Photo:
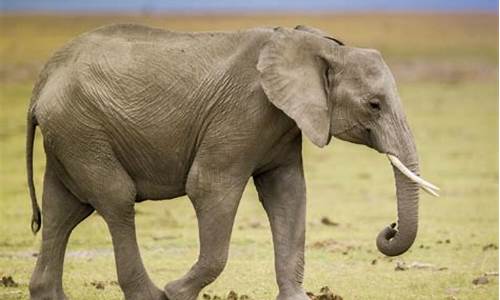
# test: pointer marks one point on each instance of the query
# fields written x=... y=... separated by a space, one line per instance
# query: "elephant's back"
x=131 y=58
x=144 y=74
x=165 y=42
x=146 y=91
x=131 y=31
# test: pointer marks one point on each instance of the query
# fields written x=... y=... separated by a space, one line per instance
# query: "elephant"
x=130 y=113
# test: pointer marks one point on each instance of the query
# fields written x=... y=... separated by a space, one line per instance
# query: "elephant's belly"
x=152 y=191
x=157 y=182
x=158 y=171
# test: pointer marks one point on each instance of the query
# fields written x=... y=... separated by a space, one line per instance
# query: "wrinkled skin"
x=130 y=113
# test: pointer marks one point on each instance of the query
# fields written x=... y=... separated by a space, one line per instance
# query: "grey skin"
x=131 y=113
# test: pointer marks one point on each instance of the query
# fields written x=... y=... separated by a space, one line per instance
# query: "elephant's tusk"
x=430 y=191
x=426 y=186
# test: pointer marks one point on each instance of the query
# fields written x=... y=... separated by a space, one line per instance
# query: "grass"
x=455 y=123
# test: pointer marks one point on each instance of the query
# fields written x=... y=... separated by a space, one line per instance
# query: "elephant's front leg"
x=215 y=196
x=282 y=193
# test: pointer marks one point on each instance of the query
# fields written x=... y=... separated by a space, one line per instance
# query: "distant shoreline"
x=229 y=13
x=248 y=7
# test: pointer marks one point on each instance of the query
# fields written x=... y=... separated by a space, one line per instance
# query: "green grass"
x=456 y=130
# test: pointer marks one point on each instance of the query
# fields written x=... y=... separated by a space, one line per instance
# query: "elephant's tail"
x=36 y=220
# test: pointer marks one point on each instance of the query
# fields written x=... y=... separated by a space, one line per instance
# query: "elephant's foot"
x=46 y=291
x=146 y=291
x=48 y=295
x=179 y=290
x=300 y=295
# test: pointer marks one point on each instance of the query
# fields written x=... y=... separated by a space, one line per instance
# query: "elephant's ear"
x=292 y=74
x=312 y=30
x=319 y=32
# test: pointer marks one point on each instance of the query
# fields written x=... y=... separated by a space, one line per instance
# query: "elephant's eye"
x=375 y=104
x=327 y=75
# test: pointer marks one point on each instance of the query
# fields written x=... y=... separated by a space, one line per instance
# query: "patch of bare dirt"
x=416 y=265
x=334 y=246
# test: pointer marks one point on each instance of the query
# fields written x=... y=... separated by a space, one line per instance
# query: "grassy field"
x=446 y=67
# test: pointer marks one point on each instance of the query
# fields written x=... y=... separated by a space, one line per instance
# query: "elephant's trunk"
x=394 y=241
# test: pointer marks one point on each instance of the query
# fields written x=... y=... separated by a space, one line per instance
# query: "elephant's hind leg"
x=61 y=212
x=110 y=190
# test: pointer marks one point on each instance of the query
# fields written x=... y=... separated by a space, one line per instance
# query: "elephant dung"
x=8 y=281
x=324 y=294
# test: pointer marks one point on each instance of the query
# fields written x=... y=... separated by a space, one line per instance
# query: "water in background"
x=249 y=5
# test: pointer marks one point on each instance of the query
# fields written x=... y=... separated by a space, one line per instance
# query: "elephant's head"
x=333 y=90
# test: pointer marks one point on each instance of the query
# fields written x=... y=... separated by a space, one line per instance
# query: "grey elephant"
x=130 y=113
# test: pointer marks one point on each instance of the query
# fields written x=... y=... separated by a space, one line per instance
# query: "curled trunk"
x=397 y=239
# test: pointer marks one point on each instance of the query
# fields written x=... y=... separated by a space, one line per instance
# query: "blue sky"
x=248 y=5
